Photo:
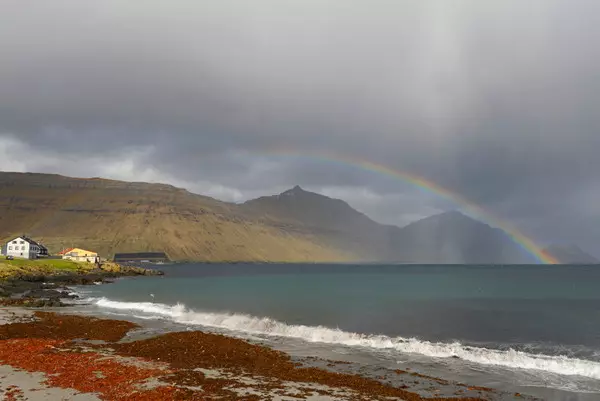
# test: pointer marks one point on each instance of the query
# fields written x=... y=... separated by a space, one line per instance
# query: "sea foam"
x=561 y=365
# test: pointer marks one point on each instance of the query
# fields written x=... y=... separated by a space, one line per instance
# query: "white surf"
x=561 y=365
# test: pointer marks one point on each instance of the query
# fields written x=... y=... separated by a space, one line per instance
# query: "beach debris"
x=189 y=365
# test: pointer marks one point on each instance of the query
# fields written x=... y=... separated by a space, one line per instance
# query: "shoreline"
x=51 y=290
x=41 y=283
x=192 y=365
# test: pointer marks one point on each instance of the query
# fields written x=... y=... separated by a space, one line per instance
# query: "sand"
x=21 y=385
x=10 y=315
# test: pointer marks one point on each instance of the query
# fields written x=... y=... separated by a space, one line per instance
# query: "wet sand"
x=102 y=359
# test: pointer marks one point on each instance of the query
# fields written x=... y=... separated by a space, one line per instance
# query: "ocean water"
x=528 y=329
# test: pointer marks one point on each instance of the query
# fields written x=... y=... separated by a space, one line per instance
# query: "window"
x=10 y=248
x=22 y=242
x=23 y=248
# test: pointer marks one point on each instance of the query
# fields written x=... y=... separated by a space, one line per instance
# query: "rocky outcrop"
x=36 y=287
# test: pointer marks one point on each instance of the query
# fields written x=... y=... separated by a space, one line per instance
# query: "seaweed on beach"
x=174 y=366
x=67 y=327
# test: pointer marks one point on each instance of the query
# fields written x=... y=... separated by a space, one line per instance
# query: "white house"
x=22 y=247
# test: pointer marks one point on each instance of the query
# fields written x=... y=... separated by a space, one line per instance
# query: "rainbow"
x=464 y=204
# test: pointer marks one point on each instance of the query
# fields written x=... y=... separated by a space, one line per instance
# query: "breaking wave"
x=561 y=365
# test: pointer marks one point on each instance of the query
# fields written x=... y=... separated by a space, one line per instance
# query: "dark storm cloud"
x=493 y=100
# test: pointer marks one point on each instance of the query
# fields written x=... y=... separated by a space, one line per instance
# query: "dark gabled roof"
x=26 y=239
x=30 y=241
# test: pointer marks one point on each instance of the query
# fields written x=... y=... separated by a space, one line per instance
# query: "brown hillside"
x=295 y=226
x=332 y=219
x=113 y=216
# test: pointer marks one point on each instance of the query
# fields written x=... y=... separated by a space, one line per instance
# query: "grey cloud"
x=494 y=101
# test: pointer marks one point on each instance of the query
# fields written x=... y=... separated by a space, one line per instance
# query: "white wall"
x=19 y=248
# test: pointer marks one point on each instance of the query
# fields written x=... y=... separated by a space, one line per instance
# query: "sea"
x=528 y=329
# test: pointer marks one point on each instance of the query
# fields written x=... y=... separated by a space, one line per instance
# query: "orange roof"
x=65 y=251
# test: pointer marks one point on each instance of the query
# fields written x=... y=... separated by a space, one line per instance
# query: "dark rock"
x=48 y=290
x=50 y=294
x=140 y=271
x=32 y=302
x=42 y=293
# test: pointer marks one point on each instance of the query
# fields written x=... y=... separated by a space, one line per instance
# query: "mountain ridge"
x=114 y=216
x=293 y=226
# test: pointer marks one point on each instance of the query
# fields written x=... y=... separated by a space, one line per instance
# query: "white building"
x=22 y=247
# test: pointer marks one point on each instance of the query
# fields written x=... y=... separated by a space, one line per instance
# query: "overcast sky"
x=495 y=100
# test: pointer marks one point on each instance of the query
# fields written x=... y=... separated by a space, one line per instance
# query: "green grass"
x=60 y=264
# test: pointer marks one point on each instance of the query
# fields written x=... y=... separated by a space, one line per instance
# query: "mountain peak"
x=453 y=214
x=449 y=217
x=294 y=191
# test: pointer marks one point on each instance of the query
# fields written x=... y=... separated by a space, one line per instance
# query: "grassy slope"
x=10 y=268
x=59 y=264
x=110 y=216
